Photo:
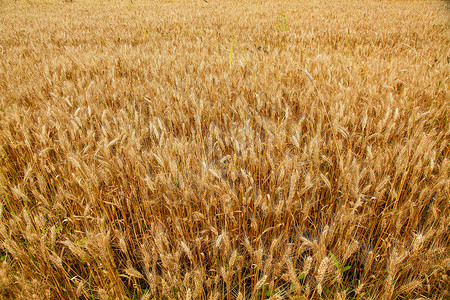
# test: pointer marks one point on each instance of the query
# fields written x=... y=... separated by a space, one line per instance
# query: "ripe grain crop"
x=141 y=159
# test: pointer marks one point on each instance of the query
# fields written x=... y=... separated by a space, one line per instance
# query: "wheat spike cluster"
x=197 y=150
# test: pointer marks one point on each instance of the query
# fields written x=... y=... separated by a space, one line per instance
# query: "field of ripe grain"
x=224 y=150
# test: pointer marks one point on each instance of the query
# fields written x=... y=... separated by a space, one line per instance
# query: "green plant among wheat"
x=282 y=20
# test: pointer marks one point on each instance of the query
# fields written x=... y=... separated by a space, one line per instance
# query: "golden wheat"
x=193 y=149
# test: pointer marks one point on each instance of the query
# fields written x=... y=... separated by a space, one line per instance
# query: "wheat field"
x=224 y=149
